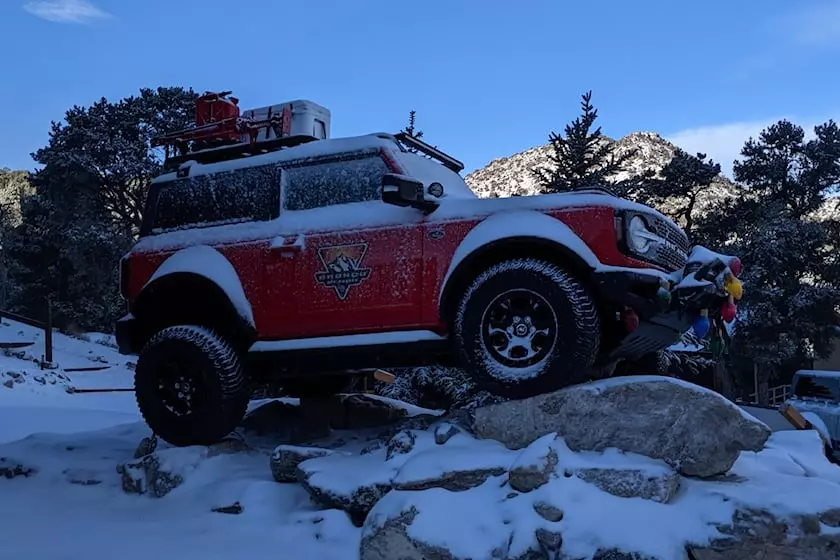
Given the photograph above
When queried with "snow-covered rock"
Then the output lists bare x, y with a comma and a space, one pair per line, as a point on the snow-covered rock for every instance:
160, 472
534, 465
455, 467
352, 483
761, 534
286, 458
9, 468
696, 431
633, 483
406, 525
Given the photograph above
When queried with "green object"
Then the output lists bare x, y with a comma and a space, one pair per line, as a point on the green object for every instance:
663, 298
717, 344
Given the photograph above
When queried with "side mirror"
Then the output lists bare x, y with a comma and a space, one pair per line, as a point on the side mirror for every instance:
401, 190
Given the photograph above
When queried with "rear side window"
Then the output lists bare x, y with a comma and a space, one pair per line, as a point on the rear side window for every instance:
240, 195
820, 388
336, 181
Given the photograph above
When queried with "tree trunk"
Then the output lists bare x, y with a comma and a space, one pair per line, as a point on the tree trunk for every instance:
723, 380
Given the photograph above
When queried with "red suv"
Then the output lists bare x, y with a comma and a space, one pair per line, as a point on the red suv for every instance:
302, 260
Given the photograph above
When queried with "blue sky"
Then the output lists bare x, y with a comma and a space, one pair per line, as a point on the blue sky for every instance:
488, 78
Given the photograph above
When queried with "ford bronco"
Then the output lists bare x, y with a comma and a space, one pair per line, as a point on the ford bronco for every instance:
269, 251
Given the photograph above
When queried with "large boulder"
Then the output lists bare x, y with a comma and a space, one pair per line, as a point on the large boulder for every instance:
695, 430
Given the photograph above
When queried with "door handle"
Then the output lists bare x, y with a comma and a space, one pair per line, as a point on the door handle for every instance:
287, 245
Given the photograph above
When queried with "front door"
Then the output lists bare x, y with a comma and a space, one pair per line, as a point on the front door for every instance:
359, 269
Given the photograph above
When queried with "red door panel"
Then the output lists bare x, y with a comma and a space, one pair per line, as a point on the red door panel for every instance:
360, 281
279, 301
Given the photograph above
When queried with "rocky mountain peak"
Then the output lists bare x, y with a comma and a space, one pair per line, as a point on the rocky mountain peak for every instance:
514, 175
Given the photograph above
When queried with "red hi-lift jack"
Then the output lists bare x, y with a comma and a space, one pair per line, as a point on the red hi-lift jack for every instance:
218, 123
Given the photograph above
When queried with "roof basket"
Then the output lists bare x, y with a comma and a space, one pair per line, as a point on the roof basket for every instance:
220, 133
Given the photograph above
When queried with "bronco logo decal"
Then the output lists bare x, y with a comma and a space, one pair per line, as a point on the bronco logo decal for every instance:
342, 267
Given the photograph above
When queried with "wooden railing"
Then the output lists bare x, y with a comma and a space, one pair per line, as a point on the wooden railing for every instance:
45, 326
775, 395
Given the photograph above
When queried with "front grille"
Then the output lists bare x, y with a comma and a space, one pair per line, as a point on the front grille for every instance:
673, 254
670, 257
669, 231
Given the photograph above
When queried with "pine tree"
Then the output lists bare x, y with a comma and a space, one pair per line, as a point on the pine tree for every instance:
584, 158
682, 181
87, 206
791, 274
411, 129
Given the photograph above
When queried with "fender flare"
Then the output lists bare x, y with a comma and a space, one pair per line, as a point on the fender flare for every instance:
210, 264
517, 224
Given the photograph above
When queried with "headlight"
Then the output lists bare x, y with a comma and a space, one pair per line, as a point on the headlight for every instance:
639, 237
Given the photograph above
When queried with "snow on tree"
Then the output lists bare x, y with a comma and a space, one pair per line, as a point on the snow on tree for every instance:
791, 268
583, 158
682, 181
87, 206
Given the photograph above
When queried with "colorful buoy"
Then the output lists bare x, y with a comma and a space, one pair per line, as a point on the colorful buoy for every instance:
701, 324
733, 286
728, 311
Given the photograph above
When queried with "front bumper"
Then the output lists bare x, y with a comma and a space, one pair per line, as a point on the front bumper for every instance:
662, 322
659, 327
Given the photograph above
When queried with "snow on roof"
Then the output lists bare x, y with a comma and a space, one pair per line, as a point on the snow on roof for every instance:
819, 373
312, 149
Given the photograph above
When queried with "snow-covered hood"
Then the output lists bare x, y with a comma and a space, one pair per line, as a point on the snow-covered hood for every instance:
458, 206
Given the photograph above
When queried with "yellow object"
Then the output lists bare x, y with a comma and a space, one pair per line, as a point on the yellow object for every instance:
733, 286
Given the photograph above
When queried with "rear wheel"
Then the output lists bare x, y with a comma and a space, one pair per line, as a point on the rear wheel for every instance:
190, 386
526, 327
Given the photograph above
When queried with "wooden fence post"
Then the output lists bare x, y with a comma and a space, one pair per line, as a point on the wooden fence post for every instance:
48, 332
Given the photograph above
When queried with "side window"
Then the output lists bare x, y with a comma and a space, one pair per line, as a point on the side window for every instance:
240, 195
335, 181
819, 388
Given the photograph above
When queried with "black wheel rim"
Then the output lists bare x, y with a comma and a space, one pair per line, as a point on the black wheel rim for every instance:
179, 386
519, 328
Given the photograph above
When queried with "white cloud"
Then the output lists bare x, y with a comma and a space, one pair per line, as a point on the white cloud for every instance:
66, 11
722, 142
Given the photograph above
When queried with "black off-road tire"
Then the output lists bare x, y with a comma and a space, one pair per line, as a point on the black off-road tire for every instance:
566, 359
215, 369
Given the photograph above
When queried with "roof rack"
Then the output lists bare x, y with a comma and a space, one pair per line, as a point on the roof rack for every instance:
220, 133
413, 142
236, 151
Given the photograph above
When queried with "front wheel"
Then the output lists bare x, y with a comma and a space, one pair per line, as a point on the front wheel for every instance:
526, 327
190, 386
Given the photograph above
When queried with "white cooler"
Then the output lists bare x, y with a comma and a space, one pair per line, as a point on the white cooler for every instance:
308, 119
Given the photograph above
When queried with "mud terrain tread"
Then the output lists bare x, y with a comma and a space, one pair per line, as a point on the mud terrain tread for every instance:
561, 370
229, 381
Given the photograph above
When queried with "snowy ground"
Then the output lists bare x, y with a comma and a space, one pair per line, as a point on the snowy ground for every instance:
77, 438
74, 505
